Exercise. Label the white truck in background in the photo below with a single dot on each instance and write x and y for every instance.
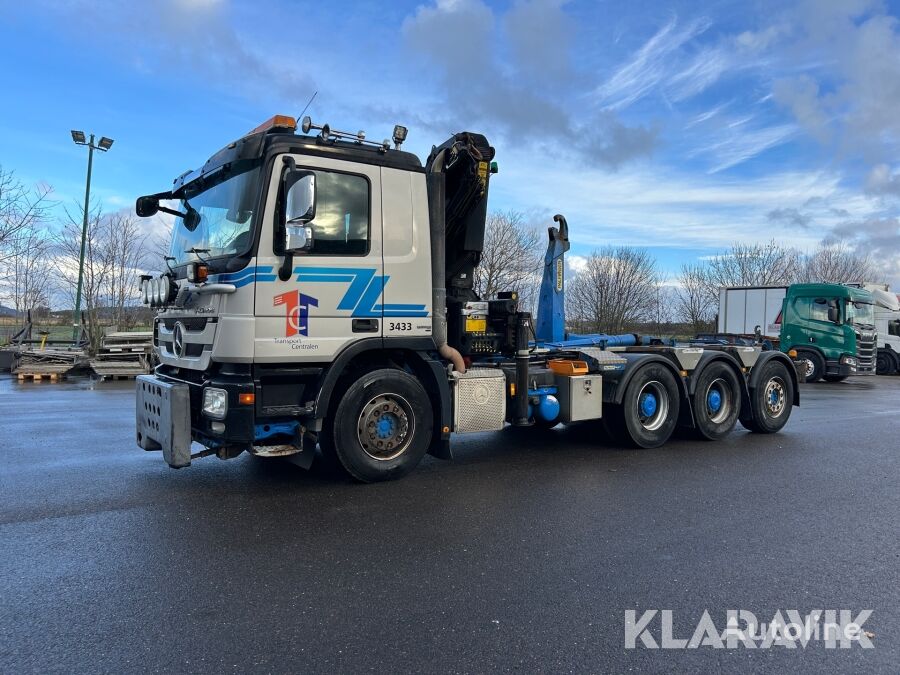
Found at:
(887, 323)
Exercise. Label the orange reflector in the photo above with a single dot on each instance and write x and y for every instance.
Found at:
(276, 122)
(684, 373)
(792, 353)
(446, 430)
(512, 388)
(246, 399)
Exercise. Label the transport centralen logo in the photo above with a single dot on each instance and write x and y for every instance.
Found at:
(297, 307)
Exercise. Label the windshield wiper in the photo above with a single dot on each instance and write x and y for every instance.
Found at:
(198, 252)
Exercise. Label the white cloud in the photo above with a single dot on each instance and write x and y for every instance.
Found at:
(665, 207)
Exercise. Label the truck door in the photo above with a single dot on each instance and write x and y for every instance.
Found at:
(821, 331)
(333, 296)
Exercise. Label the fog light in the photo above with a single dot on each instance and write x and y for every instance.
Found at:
(215, 402)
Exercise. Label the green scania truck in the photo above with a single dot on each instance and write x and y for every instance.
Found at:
(829, 329)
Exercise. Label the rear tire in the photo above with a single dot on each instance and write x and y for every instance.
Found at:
(649, 410)
(771, 399)
(717, 402)
(382, 426)
(813, 363)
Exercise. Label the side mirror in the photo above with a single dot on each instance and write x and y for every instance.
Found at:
(146, 206)
(300, 205)
(834, 315)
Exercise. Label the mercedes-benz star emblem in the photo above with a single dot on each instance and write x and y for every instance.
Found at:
(178, 339)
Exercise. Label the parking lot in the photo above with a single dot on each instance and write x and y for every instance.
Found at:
(523, 553)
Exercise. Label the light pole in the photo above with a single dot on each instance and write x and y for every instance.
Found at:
(103, 145)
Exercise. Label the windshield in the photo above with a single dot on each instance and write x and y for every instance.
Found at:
(224, 222)
(860, 313)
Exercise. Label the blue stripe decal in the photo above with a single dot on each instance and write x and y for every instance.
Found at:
(364, 288)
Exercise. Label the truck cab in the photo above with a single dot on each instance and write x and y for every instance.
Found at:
(887, 324)
(832, 328)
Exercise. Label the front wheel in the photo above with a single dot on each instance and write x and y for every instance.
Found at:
(812, 364)
(649, 410)
(771, 399)
(382, 426)
(885, 364)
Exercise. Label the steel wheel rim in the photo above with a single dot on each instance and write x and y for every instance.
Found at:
(775, 397)
(652, 416)
(720, 414)
(809, 368)
(385, 427)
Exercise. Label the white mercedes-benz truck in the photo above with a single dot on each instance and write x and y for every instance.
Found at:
(319, 296)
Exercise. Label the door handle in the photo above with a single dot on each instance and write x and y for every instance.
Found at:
(365, 325)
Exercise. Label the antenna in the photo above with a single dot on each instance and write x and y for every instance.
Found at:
(309, 102)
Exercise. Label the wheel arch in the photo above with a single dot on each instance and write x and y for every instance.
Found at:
(412, 355)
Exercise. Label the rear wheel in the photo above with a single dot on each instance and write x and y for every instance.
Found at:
(885, 363)
(771, 399)
(382, 426)
(717, 401)
(812, 364)
(649, 410)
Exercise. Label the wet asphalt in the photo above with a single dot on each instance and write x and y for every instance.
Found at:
(521, 554)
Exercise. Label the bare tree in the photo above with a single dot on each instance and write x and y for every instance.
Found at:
(616, 290)
(21, 207)
(511, 259)
(692, 303)
(26, 283)
(838, 263)
(768, 264)
(122, 247)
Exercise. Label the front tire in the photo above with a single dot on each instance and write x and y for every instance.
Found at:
(812, 363)
(717, 402)
(382, 426)
(771, 399)
(649, 410)
(885, 363)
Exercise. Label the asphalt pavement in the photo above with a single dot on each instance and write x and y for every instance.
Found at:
(521, 554)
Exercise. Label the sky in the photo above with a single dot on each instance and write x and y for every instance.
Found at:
(682, 127)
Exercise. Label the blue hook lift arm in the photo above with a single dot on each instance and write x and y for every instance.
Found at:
(551, 314)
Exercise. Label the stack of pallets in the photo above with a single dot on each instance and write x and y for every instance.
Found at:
(123, 356)
(53, 365)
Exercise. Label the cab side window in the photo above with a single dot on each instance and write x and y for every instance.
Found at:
(341, 225)
(894, 327)
(818, 308)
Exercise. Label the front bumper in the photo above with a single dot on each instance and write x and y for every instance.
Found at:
(163, 419)
(169, 416)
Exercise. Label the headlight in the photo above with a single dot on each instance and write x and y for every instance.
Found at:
(848, 360)
(215, 402)
(153, 285)
(164, 287)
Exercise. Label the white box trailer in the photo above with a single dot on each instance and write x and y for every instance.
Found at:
(743, 308)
